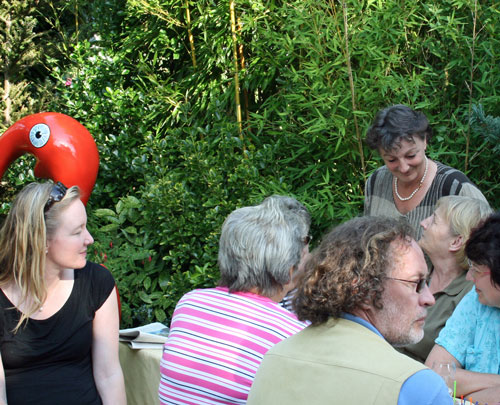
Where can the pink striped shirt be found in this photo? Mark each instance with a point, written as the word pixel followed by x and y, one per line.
pixel 216 343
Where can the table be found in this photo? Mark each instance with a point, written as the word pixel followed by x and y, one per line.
pixel 141 371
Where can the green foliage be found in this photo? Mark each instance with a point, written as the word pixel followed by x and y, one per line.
pixel 487 126
pixel 487 129
pixel 113 112
pixel 174 163
pixel 122 245
pixel 17 54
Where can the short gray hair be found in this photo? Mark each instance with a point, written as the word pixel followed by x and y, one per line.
pixel 260 244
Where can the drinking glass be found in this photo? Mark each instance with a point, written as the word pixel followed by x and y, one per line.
pixel 447 371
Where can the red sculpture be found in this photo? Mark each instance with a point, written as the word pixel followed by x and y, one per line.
pixel 64 149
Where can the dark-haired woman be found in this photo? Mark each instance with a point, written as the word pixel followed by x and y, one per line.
pixel 409 184
pixel 58 312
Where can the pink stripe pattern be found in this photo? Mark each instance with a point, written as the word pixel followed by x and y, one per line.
pixel 216 343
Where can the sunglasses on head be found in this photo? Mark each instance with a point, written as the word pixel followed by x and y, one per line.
pixel 56 194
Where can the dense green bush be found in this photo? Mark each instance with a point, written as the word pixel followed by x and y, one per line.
pixel 175 161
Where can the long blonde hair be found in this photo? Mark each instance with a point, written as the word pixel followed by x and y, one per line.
pixel 23 243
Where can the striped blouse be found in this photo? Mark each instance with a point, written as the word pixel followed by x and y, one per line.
pixel 379 200
pixel 216 343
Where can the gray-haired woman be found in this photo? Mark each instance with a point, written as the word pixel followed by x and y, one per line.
pixel 218 336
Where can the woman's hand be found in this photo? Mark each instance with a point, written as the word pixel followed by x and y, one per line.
pixel 481 387
pixel 107 371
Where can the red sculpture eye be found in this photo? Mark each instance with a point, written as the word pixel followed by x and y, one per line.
pixel 39 135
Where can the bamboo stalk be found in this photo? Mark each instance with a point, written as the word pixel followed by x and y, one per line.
pixel 190 34
pixel 241 55
pixel 236 71
pixel 77 28
pixel 351 83
pixel 6 76
pixel 471 85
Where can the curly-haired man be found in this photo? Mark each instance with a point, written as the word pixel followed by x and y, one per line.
pixel 364 290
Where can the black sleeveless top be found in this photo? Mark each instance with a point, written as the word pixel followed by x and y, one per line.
pixel 49 361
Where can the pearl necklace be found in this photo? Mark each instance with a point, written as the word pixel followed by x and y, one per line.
pixel 418 187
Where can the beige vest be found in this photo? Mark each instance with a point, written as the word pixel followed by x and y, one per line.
pixel 340 362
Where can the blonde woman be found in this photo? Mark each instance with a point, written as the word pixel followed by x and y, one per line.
pixel 444 235
pixel 59 312
pixel 471 335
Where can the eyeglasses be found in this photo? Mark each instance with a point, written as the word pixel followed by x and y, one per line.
pixel 56 194
pixel 475 272
pixel 419 283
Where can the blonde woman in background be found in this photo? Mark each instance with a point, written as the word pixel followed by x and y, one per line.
pixel 471 336
pixel 444 235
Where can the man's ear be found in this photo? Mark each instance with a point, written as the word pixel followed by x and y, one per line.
pixel 457 243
